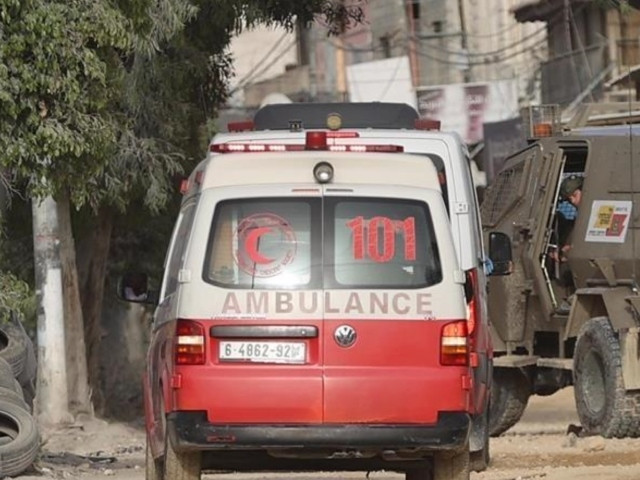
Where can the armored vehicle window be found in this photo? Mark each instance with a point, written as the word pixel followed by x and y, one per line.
pixel 506 189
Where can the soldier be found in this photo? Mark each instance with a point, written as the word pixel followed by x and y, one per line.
pixel 570 196
pixel 571 189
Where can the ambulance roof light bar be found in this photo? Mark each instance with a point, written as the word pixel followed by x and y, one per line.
pixel 314 141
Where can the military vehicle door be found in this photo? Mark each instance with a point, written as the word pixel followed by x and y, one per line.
pixel 524 198
pixel 542 194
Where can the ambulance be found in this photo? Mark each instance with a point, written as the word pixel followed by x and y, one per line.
pixel 382 123
pixel 314 315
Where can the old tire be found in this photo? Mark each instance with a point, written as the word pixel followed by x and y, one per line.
pixel 13 344
pixel 509 396
pixel 11 396
pixel 7 379
pixel 452 465
pixel 181 465
pixel 19 453
pixel 603 405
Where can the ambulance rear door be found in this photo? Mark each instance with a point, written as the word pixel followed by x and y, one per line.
pixel 390 290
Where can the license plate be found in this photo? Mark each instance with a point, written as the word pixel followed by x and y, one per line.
pixel 264 352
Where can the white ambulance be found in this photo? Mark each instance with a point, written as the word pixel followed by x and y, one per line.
pixel 398 124
pixel 314 315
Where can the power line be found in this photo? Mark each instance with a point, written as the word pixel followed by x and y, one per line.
pixel 251 73
pixel 485 62
pixel 265 68
pixel 556 19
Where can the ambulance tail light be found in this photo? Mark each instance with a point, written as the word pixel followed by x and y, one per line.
pixel 454 344
pixel 189 347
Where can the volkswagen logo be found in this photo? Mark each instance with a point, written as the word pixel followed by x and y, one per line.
pixel 345 335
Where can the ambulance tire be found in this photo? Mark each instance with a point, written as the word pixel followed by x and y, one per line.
pixel 510 394
pixel 181 465
pixel 604 406
pixel 452 465
pixel 480 459
pixel 22 444
pixel 153 470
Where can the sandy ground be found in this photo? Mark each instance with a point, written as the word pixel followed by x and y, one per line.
pixel 536 448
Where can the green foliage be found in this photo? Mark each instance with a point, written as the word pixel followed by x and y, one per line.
pixel 55 90
pixel 112 100
pixel 106 98
pixel 15 295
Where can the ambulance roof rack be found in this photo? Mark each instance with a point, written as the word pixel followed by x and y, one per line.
pixel 285 116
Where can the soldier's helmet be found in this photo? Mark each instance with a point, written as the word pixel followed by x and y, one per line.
pixel 570 185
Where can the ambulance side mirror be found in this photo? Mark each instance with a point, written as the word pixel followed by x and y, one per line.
pixel 500 253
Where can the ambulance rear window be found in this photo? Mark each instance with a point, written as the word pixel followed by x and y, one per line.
pixel 266 244
pixel 380 243
pixel 301 243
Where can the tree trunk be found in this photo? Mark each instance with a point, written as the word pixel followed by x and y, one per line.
pixel 77 377
pixel 51 399
pixel 93 253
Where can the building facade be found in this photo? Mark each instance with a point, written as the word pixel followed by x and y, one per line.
pixel 446 43
pixel 594 50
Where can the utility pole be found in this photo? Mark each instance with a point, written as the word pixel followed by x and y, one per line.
pixel 567 25
pixel 569 46
pixel 413 40
pixel 463 40
pixel 52 398
pixel 341 69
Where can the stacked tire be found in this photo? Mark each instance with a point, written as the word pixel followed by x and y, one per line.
pixel 19 439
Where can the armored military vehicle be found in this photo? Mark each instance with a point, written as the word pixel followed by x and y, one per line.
pixel 551 330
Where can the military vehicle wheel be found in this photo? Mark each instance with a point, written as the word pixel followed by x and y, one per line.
pixel 452 465
pixel 509 396
pixel 603 405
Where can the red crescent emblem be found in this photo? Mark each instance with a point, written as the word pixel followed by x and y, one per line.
pixel 251 245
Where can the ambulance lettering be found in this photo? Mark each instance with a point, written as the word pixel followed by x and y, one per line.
pixel 360 304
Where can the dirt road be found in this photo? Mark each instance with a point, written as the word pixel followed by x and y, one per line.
pixel 538 448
